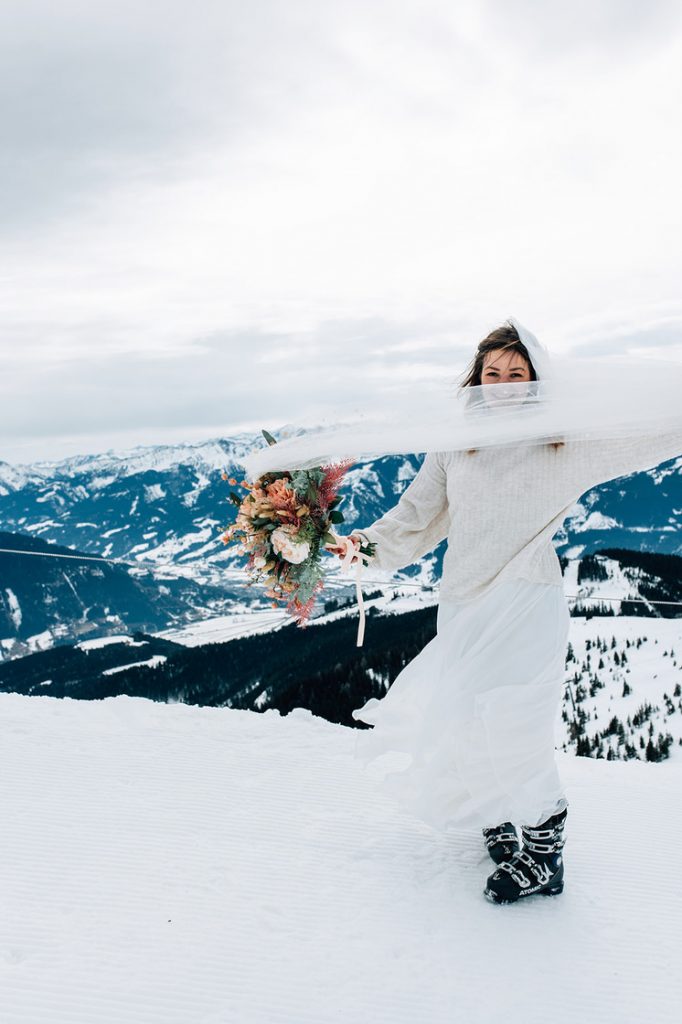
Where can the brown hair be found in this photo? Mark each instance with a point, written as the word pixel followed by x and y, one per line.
pixel 505 338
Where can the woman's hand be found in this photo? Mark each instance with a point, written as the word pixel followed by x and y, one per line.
pixel 340 549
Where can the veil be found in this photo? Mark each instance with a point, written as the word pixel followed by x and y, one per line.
pixel 573 398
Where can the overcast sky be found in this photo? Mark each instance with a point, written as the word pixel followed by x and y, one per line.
pixel 219 215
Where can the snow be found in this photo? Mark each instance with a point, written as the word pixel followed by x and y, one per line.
pixel 153 492
pixel 642 652
pixel 42 641
pixel 102 641
pixel 246 620
pixel 595 521
pixel 48 495
pixel 212 454
pixel 98 483
pixel 193 865
pixel 658 474
pixel 14 607
pixel 156 659
pixel 174 546
pixel 219 628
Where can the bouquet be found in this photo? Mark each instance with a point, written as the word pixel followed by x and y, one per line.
pixel 283 523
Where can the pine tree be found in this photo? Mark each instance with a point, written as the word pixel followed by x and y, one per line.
pixel 583 747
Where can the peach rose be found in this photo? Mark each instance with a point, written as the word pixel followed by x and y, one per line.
pixel 284 542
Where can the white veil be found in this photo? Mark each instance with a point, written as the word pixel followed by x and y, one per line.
pixel 572 398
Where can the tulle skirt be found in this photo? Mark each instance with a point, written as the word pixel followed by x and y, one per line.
pixel 466 734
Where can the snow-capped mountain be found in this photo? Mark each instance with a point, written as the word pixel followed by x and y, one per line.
pixel 642 512
pixel 164 509
pixel 165 502
pixel 168 503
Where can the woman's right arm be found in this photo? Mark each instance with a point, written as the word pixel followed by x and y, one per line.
pixel 605 459
pixel 418 523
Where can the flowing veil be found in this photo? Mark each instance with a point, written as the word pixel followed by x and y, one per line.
pixel 573 398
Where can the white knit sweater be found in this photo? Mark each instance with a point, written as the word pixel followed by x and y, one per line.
pixel 500 507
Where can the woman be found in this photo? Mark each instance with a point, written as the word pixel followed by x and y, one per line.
pixel 476 710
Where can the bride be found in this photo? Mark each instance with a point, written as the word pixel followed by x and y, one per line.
pixel 474 714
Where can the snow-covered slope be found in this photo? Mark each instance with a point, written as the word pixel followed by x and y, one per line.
pixel 188 865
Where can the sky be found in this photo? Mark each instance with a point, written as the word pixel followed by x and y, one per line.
pixel 219 216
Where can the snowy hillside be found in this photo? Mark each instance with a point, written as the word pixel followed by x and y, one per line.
pixel 623 680
pixel 187 865
pixel 623 695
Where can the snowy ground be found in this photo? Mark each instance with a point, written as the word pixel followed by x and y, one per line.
pixel 219 628
pixel 167 863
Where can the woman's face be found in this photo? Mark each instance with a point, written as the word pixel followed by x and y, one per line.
pixel 504 366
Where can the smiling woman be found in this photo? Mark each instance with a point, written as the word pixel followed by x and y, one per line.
pixel 502 358
pixel 472 718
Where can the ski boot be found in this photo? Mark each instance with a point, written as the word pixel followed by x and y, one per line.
pixel 537 868
pixel 501 841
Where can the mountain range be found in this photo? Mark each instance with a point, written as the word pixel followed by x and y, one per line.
pixel 153 519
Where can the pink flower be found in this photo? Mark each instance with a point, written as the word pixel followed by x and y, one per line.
pixel 281 495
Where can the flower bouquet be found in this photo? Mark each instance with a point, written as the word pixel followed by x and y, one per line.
pixel 283 523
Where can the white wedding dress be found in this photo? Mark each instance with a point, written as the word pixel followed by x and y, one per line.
pixel 465 736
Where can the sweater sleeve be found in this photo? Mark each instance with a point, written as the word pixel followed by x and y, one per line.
pixel 602 460
pixel 418 523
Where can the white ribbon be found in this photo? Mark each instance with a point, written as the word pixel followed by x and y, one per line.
pixel 362 560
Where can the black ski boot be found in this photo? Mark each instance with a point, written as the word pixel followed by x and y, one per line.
pixel 537 868
pixel 501 841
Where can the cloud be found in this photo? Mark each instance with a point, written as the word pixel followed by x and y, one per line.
pixel 662 333
pixel 94 94
pixel 221 379
pixel 612 29
pixel 231 212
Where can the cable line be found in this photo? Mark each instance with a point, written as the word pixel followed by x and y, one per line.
pixel 381 583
